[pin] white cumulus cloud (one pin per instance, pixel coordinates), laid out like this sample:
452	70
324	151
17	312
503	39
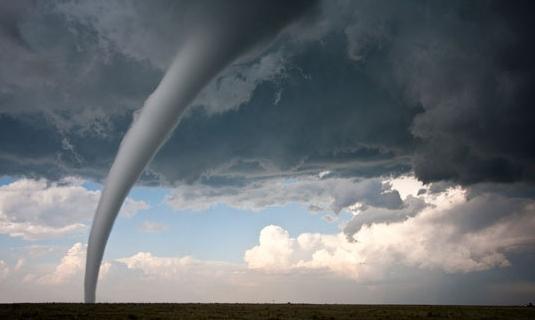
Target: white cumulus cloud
35	209
436	238
4	270
274	250
71	267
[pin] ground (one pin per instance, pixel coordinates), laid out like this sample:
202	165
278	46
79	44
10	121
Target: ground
258	311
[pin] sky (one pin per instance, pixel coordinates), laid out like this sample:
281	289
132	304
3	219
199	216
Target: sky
372	152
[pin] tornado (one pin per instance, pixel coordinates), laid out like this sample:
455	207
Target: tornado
217	33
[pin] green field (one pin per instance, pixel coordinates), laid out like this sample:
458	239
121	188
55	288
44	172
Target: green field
257	311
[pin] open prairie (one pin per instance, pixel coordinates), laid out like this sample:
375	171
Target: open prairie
258	311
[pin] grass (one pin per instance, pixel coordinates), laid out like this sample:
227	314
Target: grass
134	311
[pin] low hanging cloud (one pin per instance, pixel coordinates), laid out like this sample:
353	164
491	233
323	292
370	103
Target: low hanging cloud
370	215
36	209
319	193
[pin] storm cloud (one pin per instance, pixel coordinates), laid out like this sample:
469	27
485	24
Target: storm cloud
367	88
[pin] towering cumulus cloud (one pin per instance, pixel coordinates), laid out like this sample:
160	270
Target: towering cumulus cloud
217	33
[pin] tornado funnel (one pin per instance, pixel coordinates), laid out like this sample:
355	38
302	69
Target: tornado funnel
220	32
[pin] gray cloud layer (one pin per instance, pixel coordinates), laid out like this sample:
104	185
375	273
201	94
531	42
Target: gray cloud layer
366	89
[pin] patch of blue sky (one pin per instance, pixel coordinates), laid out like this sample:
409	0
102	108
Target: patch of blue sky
6	180
219	233
91	185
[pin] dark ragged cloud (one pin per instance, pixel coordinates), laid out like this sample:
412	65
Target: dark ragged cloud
361	89
410	208
319	194
469	66
301	132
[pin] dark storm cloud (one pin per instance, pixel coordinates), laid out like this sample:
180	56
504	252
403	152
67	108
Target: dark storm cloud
411	207
10	14
301	131
58	68
370	88
469	65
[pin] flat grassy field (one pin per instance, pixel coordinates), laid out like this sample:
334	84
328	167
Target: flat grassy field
257	311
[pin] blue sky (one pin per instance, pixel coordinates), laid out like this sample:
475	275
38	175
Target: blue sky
220	233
